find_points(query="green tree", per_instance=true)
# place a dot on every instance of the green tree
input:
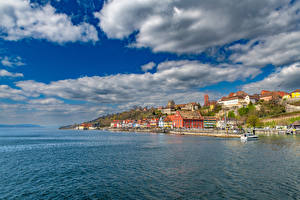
(253, 121)
(231, 114)
(243, 111)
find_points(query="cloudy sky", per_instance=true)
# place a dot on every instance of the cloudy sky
(67, 61)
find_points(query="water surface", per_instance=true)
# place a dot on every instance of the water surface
(55, 164)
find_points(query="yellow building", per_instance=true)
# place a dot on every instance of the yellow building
(211, 107)
(287, 96)
(296, 94)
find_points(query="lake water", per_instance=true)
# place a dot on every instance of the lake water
(55, 164)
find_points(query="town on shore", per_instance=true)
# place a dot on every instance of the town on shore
(275, 112)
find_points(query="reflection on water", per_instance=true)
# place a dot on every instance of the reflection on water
(53, 164)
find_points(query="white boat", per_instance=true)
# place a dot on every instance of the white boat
(248, 136)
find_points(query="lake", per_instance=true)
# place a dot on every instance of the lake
(40, 163)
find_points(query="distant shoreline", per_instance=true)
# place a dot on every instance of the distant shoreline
(19, 126)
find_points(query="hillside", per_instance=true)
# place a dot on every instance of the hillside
(134, 114)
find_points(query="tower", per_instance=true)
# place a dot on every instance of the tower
(206, 100)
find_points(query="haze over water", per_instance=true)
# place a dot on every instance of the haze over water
(54, 164)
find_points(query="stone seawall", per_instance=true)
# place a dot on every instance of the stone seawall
(207, 132)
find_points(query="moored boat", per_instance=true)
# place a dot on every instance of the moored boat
(248, 136)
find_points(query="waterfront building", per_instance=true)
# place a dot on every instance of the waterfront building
(209, 122)
(116, 124)
(80, 127)
(154, 123)
(161, 122)
(127, 123)
(85, 126)
(168, 123)
(187, 119)
(228, 123)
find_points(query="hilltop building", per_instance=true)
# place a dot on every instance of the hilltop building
(295, 94)
(169, 109)
(238, 100)
(272, 95)
(207, 102)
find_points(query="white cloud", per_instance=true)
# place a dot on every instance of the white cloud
(279, 49)
(7, 92)
(45, 101)
(97, 95)
(19, 19)
(286, 78)
(4, 72)
(172, 77)
(148, 66)
(190, 26)
(11, 61)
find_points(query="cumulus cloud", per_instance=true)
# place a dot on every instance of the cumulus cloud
(190, 26)
(45, 101)
(279, 49)
(148, 66)
(286, 78)
(97, 95)
(7, 92)
(172, 77)
(11, 61)
(20, 19)
(4, 72)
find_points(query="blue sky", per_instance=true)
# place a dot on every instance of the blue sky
(67, 61)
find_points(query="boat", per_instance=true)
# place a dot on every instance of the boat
(248, 136)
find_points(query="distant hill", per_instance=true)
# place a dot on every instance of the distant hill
(133, 114)
(19, 126)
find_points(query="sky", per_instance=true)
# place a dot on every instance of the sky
(69, 61)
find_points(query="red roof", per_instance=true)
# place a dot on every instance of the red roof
(231, 98)
(190, 114)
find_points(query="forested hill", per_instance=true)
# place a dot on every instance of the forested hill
(134, 114)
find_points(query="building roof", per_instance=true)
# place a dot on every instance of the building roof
(231, 98)
(209, 118)
(268, 94)
(168, 118)
(180, 105)
(254, 96)
(190, 114)
(264, 92)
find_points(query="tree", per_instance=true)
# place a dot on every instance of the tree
(243, 111)
(231, 114)
(253, 120)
